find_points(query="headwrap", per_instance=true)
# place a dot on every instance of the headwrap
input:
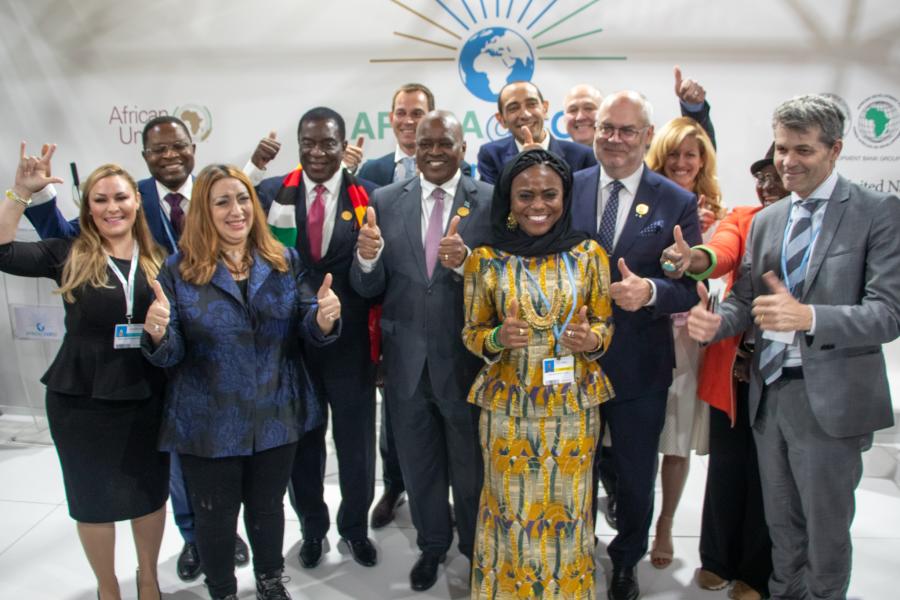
(561, 236)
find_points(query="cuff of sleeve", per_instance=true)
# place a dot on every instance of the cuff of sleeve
(254, 174)
(812, 328)
(461, 269)
(368, 265)
(349, 168)
(44, 195)
(713, 262)
(693, 107)
(652, 300)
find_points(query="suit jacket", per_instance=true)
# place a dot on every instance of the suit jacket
(49, 222)
(641, 357)
(853, 283)
(237, 383)
(380, 171)
(494, 155)
(422, 319)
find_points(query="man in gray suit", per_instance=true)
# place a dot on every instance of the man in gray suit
(417, 235)
(821, 282)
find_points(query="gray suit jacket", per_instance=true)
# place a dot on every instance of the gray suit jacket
(853, 282)
(421, 318)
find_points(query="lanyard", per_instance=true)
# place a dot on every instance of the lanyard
(167, 227)
(784, 248)
(557, 329)
(128, 285)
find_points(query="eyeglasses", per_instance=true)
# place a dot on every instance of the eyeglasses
(626, 134)
(330, 145)
(162, 150)
(764, 179)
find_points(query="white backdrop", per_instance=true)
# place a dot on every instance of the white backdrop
(87, 74)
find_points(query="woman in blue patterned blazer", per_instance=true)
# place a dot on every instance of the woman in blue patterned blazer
(230, 314)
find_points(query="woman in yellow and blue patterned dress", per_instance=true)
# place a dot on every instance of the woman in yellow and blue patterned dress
(538, 311)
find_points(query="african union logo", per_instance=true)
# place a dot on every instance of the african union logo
(493, 44)
(197, 118)
(877, 121)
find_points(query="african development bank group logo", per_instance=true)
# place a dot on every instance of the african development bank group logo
(495, 42)
(877, 122)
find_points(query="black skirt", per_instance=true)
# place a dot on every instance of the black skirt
(111, 467)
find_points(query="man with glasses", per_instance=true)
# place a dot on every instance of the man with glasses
(168, 152)
(631, 211)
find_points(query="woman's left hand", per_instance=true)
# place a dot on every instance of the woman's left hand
(578, 336)
(329, 306)
(707, 216)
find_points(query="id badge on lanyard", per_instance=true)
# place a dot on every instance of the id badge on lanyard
(127, 335)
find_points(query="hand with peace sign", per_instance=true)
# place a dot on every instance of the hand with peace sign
(329, 306)
(157, 320)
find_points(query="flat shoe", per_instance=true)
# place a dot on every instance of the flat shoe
(743, 591)
(708, 580)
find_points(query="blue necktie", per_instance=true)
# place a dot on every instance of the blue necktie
(607, 230)
(405, 168)
(771, 358)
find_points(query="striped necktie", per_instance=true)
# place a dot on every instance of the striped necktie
(607, 230)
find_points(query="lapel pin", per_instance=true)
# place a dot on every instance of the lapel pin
(463, 211)
(641, 209)
(346, 215)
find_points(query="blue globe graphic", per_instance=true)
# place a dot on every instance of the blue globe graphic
(493, 57)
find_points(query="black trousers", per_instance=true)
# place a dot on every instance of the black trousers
(734, 539)
(218, 487)
(387, 447)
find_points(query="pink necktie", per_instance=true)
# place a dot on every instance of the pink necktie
(176, 214)
(314, 221)
(435, 231)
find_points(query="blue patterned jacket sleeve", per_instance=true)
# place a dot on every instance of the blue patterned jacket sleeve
(170, 351)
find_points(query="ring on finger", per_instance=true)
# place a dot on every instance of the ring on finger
(570, 333)
(156, 328)
(521, 331)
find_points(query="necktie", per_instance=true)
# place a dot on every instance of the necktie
(607, 230)
(176, 214)
(435, 231)
(405, 169)
(315, 219)
(771, 358)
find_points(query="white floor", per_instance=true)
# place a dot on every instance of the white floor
(41, 559)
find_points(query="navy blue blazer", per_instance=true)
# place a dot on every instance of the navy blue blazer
(641, 357)
(380, 171)
(49, 222)
(237, 381)
(494, 155)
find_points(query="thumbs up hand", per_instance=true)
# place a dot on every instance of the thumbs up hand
(632, 292)
(368, 243)
(702, 324)
(513, 331)
(353, 154)
(266, 150)
(780, 311)
(676, 259)
(528, 142)
(452, 250)
(157, 320)
(688, 90)
(578, 336)
(329, 309)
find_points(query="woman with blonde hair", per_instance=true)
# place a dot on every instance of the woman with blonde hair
(230, 315)
(682, 151)
(104, 401)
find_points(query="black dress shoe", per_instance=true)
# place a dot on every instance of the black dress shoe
(363, 551)
(188, 565)
(611, 512)
(623, 585)
(271, 587)
(310, 552)
(424, 572)
(241, 552)
(383, 513)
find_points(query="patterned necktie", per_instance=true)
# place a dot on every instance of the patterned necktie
(405, 169)
(315, 219)
(435, 231)
(607, 230)
(176, 214)
(771, 358)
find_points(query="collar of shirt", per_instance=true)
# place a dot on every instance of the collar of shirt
(184, 190)
(630, 183)
(400, 154)
(823, 192)
(331, 188)
(544, 144)
(448, 186)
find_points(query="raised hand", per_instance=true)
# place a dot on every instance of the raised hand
(266, 150)
(780, 311)
(452, 249)
(329, 309)
(688, 90)
(578, 336)
(707, 215)
(702, 324)
(513, 330)
(33, 172)
(632, 292)
(368, 243)
(528, 142)
(353, 154)
(157, 320)
(676, 259)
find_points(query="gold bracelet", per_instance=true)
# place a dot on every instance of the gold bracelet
(17, 198)
(599, 343)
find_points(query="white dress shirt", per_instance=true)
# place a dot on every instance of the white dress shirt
(184, 190)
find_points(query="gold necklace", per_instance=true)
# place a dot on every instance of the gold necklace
(531, 315)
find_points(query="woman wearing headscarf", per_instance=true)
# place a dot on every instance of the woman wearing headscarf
(538, 311)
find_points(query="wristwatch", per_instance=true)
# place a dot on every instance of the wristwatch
(17, 198)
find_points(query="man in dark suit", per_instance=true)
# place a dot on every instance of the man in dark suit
(630, 211)
(821, 282)
(315, 208)
(168, 152)
(411, 250)
(522, 110)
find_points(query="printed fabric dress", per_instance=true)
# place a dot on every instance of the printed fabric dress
(535, 528)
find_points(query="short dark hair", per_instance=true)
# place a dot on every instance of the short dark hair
(162, 120)
(323, 113)
(411, 88)
(503, 89)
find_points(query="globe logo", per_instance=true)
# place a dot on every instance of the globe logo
(878, 121)
(197, 118)
(493, 57)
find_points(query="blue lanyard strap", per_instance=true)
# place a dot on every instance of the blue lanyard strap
(560, 328)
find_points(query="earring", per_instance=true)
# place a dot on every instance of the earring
(511, 222)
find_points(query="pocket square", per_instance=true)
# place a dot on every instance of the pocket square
(651, 229)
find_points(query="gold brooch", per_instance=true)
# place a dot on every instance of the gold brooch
(641, 209)
(463, 211)
(346, 215)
